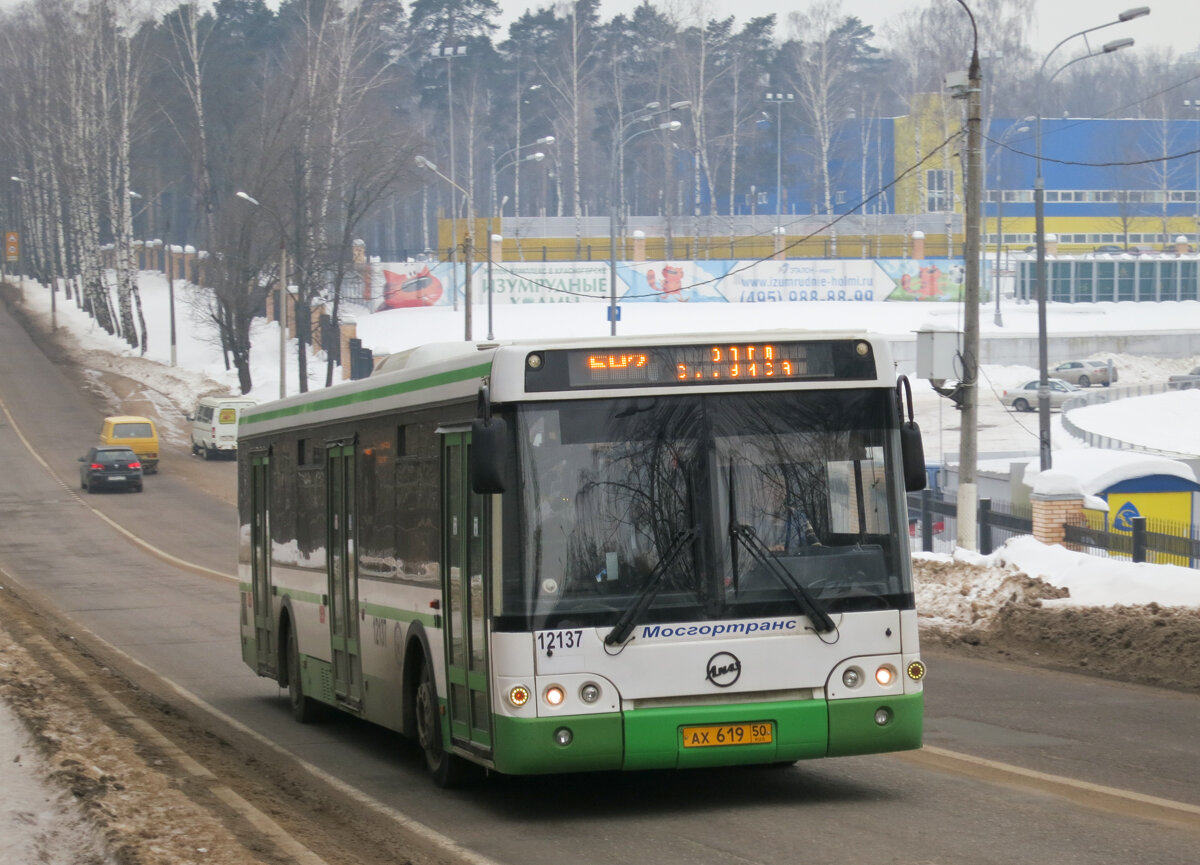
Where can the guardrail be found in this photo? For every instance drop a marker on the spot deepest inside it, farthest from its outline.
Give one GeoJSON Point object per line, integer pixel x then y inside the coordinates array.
{"type": "Point", "coordinates": [1113, 394]}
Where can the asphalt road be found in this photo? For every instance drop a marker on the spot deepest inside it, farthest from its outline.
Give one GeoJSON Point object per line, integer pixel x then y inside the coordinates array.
{"type": "Point", "coordinates": [1120, 747]}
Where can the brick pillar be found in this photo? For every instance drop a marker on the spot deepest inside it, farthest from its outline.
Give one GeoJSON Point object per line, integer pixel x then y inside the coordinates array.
{"type": "Point", "coordinates": [314, 325]}
{"type": "Point", "coordinates": [349, 331]}
{"type": "Point", "coordinates": [1057, 499]}
{"type": "Point", "coordinates": [918, 247]}
{"type": "Point", "coordinates": [639, 246]}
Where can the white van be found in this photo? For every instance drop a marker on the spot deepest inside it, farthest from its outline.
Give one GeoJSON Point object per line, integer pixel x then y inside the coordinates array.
{"type": "Point", "coordinates": [215, 425]}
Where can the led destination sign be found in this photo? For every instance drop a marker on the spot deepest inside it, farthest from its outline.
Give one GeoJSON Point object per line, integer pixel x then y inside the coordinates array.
{"type": "Point", "coordinates": [711, 363]}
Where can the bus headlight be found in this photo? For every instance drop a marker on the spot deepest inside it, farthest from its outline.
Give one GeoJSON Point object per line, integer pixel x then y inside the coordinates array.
{"type": "Point", "coordinates": [885, 675]}
{"type": "Point", "coordinates": [883, 716]}
{"type": "Point", "coordinates": [518, 695]}
{"type": "Point", "coordinates": [589, 693]}
{"type": "Point", "coordinates": [563, 736]}
{"type": "Point", "coordinates": [555, 695]}
{"type": "Point", "coordinates": [852, 677]}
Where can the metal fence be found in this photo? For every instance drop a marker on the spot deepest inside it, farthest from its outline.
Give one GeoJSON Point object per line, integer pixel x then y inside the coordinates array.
{"type": "Point", "coordinates": [933, 522]}
{"type": "Point", "coordinates": [1098, 396]}
{"type": "Point", "coordinates": [1148, 539]}
{"type": "Point", "coordinates": [933, 527]}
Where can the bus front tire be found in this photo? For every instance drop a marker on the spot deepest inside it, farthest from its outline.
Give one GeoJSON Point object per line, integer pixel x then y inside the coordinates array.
{"type": "Point", "coordinates": [448, 770]}
{"type": "Point", "coordinates": [305, 710]}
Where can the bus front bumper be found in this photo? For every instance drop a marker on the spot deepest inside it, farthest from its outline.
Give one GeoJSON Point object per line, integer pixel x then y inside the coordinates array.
{"type": "Point", "coordinates": [696, 736]}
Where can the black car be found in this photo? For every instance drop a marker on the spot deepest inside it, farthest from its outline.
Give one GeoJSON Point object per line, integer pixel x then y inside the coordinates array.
{"type": "Point", "coordinates": [105, 467]}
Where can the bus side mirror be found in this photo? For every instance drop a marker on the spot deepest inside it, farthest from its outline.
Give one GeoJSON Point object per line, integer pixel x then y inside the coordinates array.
{"type": "Point", "coordinates": [912, 452]}
{"type": "Point", "coordinates": [488, 455]}
{"type": "Point", "coordinates": [912, 449]}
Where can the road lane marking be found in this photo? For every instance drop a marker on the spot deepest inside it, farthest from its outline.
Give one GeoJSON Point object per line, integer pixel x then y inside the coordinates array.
{"type": "Point", "coordinates": [160, 554]}
{"type": "Point", "coordinates": [1128, 803]}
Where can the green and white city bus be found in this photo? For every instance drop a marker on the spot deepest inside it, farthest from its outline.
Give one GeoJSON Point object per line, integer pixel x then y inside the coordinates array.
{"type": "Point", "coordinates": [569, 555]}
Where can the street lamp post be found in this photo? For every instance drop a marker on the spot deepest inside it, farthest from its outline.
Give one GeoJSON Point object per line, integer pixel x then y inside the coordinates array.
{"type": "Point", "coordinates": [1039, 209]}
{"type": "Point", "coordinates": [422, 162]}
{"type": "Point", "coordinates": [515, 161]}
{"type": "Point", "coordinates": [283, 318]}
{"type": "Point", "coordinates": [778, 99]}
{"type": "Point", "coordinates": [643, 115]}
{"type": "Point", "coordinates": [967, 519]}
{"type": "Point", "coordinates": [449, 53]}
{"type": "Point", "coordinates": [494, 242]}
{"type": "Point", "coordinates": [1195, 104]}
{"type": "Point", "coordinates": [1015, 129]}
{"type": "Point", "coordinates": [668, 126]}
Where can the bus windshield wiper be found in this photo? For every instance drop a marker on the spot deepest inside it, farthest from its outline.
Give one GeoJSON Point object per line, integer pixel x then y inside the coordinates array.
{"type": "Point", "coordinates": [624, 626]}
{"type": "Point", "coordinates": [740, 533]}
{"type": "Point", "coordinates": [761, 554]}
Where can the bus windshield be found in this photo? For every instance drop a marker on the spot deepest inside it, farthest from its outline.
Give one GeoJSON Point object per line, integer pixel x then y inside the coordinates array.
{"type": "Point", "coordinates": [708, 507]}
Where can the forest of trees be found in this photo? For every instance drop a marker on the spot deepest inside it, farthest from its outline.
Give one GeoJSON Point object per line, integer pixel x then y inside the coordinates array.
{"type": "Point", "coordinates": [121, 125]}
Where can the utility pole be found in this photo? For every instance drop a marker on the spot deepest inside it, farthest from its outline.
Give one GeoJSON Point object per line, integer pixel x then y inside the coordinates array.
{"type": "Point", "coordinates": [968, 492]}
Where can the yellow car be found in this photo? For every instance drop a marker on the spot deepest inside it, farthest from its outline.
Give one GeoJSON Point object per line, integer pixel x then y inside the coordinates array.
{"type": "Point", "coordinates": [134, 432]}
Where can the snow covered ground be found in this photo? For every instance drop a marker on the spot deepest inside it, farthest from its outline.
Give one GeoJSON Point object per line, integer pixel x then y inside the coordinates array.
{"type": "Point", "coordinates": [955, 593]}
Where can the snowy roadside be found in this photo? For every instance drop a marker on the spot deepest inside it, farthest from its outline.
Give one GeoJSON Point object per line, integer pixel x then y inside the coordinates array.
{"type": "Point", "coordinates": [1028, 602]}
{"type": "Point", "coordinates": [77, 790]}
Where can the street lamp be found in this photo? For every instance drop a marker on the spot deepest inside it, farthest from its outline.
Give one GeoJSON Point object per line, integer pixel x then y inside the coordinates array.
{"type": "Point", "coordinates": [516, 160]}
{"type": "Point", "coordinates": [778, 99]}
{"type": "Point", "coordinates": [422, 162]}
{"type": "Point", "coordinates": [668, 126]}
{"type": "Point", "coordinates": [643, 115]}
{"type": "Point", "coordinates": [283, 323]}
{"type": "Point", "coordinates": [449, 53]}
{"type": "Point", "coordinates": [1195, 103]}
{"type": "Point", "coordinates": [1014, 129]}
{"type": "Point", "coordinates": [1039, 209]}
{"type": "Point", "coordinates": [973, 185]}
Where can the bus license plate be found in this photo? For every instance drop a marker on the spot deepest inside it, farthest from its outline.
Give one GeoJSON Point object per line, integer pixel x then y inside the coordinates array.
{"type": "Point", "coordinates": [717, 735]}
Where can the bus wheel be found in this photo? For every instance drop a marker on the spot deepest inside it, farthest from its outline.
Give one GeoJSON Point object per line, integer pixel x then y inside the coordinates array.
{"type": "Point", "coordinates": [448, 770]}
{"type": "Point", "coordinates": [306, 710]}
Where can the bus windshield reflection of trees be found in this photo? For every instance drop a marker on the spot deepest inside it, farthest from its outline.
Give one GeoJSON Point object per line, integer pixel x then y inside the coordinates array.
{"type": "Point", "coordinates": [610, 487]}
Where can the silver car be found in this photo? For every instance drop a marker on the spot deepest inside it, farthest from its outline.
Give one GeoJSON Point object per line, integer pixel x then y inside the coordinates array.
{"type": "Point", "coordinates": [1085, 373]}
{"type": "Point", "coordinates": [1025, 397]}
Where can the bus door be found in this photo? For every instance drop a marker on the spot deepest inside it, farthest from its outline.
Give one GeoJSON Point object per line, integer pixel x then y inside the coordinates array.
{"type": "Point", "coordinates": [342, 563]}
{"type": "Point", "coordinates": [260, 563]}
{"type": "Point", "coordinates": [464, 528]}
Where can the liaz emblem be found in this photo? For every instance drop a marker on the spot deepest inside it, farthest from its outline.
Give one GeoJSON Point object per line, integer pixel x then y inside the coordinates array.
{"type": "Point", "coordinates": [723, 669]}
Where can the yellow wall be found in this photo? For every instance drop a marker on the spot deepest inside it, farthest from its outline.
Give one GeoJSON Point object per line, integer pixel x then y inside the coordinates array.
{"type": "Point", "coordinates": [932, 119]}
{"type": "Point", "coordinates": [1175, 507]}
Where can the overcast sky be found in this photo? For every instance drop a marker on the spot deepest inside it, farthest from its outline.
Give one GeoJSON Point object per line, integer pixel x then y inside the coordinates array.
{"type": "Point", "coordinates": [1171, 22]}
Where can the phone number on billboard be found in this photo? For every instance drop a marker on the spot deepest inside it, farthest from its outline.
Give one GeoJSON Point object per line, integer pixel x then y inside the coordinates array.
{"type": "Point", "coordinates": [801, 294]}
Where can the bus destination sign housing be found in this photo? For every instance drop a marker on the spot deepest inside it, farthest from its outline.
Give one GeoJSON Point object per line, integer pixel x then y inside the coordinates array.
{"type": "Point", "coordinates": [701, 364]}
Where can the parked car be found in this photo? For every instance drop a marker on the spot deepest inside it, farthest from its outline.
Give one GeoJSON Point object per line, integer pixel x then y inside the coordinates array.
{"type": "Point", "coordinates": [1085, 373]}
{"type": "Point", "coordinates": [1111, 249]}
{"type": "Point", "coordinates": [1185, 381]}
{"type": "Point", "coordinates": [108, 467]}
{"type": "Point", "coordinates": [1025, 397]}
{"type": "Point", "coordinates": [215, 425]}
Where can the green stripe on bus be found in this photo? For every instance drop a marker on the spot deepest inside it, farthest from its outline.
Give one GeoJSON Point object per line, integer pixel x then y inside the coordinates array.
{"type": "Point", "coordinates": [395, 614]}
{"type": "Point", "coordinates": [381, 392]}
{"type": "Point", "coordinates": [296, 595]}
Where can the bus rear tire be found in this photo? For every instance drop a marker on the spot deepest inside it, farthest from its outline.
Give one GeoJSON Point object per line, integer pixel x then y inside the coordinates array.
{"type": "Point", "coordinates": [305, 710]}
{"type": "Point", "coordinates": [448, 770]}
